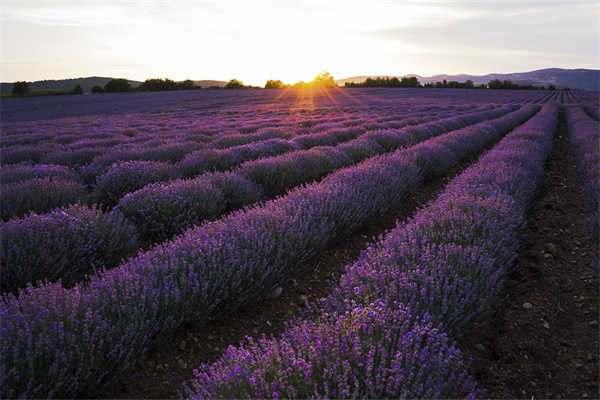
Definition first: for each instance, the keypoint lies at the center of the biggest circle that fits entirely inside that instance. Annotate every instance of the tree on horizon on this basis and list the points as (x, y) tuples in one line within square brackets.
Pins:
[(20, 88)]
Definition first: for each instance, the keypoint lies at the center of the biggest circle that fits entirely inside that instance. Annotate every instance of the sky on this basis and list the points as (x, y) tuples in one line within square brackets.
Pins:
[(254, 41)]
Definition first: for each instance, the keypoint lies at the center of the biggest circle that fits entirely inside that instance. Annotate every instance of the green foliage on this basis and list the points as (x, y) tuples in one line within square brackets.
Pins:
[(411, 81), (20, 88), (274, 84), (78, 89), (506, 84), (157, 85), (97, 89), (323, 80), (188, 84), (117, 86), (235, 84)]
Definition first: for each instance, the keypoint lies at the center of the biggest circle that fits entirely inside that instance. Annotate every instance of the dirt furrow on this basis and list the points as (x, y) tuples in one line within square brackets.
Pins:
[(542, 340)]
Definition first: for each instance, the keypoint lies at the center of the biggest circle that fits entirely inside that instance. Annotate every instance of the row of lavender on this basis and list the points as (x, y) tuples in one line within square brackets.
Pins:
[(77, 342), (169, 136), (51, 186), (584, 137), (69, 243), (162, 210), (385, 332)]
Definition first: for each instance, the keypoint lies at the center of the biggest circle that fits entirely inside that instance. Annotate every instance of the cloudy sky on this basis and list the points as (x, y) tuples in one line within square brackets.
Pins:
[(291, 41)]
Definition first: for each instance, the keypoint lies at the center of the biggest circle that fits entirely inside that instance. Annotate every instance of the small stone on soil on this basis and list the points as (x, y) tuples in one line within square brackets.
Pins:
[(276, 293)]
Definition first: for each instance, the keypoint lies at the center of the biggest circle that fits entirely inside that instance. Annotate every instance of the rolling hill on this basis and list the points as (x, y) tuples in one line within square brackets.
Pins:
[(583, 79)]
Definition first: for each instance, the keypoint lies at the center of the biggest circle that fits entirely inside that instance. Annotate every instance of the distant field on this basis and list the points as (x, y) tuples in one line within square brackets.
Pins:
[(146, 213)]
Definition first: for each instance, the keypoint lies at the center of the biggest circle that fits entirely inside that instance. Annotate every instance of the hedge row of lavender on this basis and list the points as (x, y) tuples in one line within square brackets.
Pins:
[(380, 334), (111, 183), (448, 260), (64, 245), (25, 171), (202, 161), (162, 210), (584, 139), (152, 137), (40, 195), (593, 109), (370, 352), (79, 342)]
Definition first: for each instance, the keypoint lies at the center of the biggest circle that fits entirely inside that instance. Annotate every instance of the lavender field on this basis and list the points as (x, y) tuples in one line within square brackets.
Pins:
[(128, 216)]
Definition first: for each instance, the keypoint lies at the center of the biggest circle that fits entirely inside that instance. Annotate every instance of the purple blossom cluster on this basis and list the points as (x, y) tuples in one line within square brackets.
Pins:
[(239, 138), (276, 175), (368, 352), (64, 245), (161, 210), (25, 171), (206, 160), (584, 138), (128, 176)]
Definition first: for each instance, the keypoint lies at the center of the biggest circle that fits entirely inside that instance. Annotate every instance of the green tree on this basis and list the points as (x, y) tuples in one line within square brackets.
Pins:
[(158, 85), (97, 89), (274, 84), (78, 89), (324, 80), (20, 88), (188, 84), (234, 84), (117, 86), (409, 81)]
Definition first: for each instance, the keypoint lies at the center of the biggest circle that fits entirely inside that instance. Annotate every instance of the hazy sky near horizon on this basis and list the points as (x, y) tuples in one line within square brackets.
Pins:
[(292, 41)]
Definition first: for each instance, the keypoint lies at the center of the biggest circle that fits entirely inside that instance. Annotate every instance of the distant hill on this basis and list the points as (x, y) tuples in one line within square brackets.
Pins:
[(584, 79), (88, 83), (209, 83)]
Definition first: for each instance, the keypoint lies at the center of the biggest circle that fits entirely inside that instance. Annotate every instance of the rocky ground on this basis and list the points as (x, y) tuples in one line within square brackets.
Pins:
[(540, 342)]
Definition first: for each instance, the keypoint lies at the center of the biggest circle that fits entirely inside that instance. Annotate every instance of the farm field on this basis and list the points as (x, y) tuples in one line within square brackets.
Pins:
[(399, 231)]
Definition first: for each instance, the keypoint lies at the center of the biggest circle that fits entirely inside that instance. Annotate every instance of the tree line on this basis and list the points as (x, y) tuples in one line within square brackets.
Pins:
[(22, 89), (321, 80)]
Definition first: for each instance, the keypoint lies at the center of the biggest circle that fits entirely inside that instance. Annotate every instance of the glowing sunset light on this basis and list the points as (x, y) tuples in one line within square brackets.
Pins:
[(291, 41)]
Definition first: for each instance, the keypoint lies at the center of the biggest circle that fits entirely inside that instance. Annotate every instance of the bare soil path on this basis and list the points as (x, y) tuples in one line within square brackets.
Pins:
[(542, 341)]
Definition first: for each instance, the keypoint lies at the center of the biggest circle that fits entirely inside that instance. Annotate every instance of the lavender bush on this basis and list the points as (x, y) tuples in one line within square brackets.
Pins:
[(585, 144), (206, 160), (276, 175), (238, 191), (64, 245), (25, 171), (129, 176), (40, 196), (370, 352), (22, 153), (163, 209), (360, 149)]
